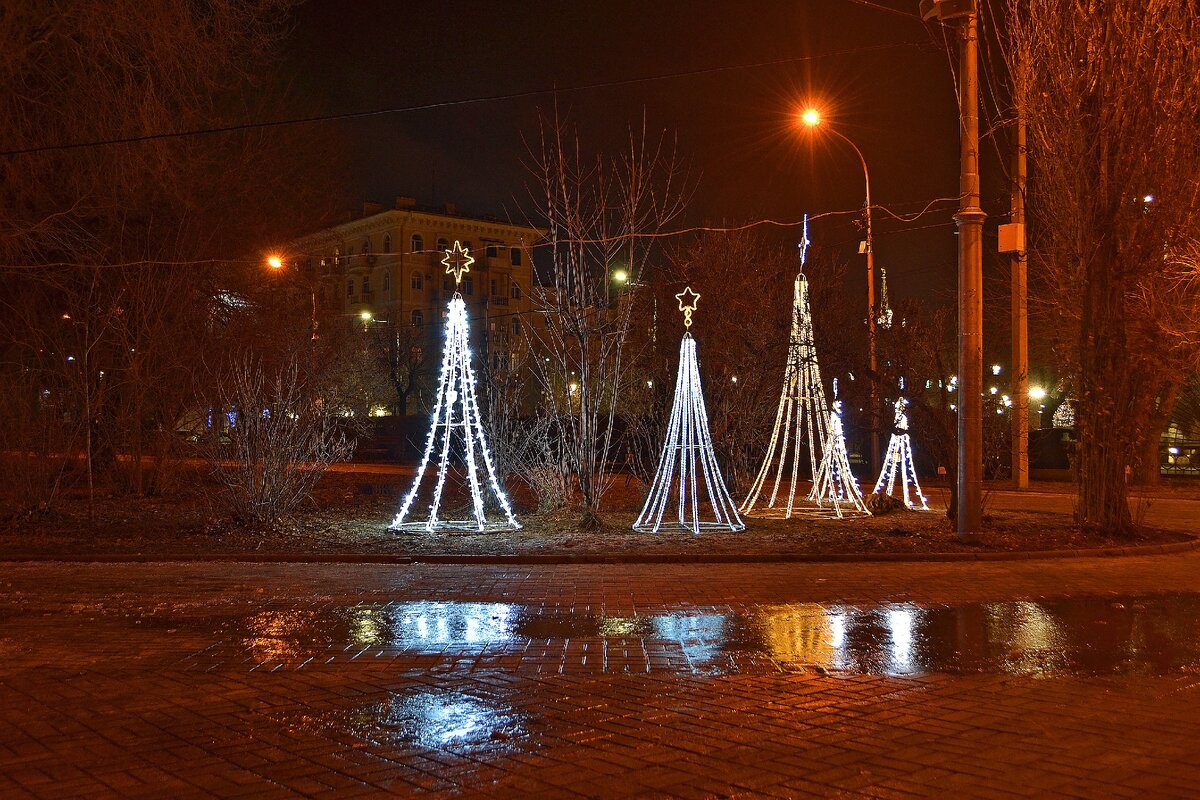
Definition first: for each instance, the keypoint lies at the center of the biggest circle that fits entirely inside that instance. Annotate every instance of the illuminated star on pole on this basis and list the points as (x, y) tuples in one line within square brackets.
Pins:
[(458, 261), (687, 304)]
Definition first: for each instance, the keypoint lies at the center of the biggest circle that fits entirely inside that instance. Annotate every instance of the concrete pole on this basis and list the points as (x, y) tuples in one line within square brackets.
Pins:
[(1020, 317), (970, 288)]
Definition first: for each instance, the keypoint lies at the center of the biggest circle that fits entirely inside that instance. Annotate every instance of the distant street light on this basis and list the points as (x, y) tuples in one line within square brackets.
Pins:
[(621, 276), (812, 118), (365, 316), (274, 262), (1037, 393)]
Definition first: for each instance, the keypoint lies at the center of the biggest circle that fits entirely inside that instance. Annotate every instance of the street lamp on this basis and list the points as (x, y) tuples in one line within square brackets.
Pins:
[(811, 118), (275, 263)]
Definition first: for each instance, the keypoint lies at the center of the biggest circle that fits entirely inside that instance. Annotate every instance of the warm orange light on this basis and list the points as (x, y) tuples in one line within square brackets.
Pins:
[(811, 117), (274, 262)]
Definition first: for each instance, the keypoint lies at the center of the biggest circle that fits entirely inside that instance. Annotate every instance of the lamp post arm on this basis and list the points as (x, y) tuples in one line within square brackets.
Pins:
[(866, 181)]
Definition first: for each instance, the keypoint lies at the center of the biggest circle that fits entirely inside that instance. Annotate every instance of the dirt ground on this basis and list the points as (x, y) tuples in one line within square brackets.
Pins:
[(351, 511)]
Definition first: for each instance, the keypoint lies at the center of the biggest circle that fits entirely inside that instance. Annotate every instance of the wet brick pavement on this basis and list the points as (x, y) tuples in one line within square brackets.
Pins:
[(1075, 679)]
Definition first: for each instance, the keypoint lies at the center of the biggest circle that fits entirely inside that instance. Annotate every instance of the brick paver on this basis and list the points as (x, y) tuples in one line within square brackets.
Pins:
[(272, 680)]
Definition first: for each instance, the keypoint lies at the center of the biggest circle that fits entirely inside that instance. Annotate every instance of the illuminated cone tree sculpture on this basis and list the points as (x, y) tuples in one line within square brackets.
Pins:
[(800, 420), (457, 433), (834, 485), (688, 478), (899, 460)]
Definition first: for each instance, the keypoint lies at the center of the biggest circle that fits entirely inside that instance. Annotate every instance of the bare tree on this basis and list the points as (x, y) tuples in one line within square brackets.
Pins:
[(1111, 91), (283, 438), (600, 215)]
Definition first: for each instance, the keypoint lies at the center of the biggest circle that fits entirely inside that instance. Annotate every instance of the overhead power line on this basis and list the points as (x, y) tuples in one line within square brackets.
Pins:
[(246, 126)]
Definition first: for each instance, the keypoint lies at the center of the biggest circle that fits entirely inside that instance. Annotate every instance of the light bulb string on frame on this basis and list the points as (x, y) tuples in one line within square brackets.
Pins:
[(687, 463), (457, 389), (900, 459)]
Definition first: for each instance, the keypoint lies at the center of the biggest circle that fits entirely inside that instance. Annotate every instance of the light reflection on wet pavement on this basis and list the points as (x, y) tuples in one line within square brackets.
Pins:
[(602, 681), (1139, 635)]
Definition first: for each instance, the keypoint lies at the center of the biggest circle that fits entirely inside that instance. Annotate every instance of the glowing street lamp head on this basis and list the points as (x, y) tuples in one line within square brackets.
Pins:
[(1037, 393), (365, 316), (621, 276), (274, 262), (811, 117)]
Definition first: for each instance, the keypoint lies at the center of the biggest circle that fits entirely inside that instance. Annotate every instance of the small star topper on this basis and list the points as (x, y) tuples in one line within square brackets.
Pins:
[(687, 304), (458, 261)]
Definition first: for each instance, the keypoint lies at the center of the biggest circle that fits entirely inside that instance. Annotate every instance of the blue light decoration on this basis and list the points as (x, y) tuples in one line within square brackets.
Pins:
[(688, 451), (457, 427)]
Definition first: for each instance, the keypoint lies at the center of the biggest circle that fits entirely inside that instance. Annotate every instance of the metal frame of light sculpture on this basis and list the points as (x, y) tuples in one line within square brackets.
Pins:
[(802, 414), (456, 417), (688, 449), (834, 483), (900, 459)]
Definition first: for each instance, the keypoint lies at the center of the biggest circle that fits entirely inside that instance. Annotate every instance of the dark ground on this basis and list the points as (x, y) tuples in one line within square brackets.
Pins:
[(352, 509)]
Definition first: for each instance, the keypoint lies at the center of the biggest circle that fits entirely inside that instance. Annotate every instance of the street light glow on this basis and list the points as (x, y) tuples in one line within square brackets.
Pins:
[(621, 276), (365, 316), (1037, 393), (274, 262), (811, 117)]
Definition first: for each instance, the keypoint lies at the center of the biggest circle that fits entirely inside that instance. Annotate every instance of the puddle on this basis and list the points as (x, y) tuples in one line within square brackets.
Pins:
[(1144, 635)]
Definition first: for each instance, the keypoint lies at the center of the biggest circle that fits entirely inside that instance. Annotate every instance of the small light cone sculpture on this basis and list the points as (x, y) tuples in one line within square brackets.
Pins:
[(834, 485), (801, 416), (687, 456), (456, 428), (899, 459)]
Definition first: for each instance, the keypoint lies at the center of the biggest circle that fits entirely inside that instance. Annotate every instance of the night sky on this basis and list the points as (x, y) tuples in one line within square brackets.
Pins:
[(735, 128)]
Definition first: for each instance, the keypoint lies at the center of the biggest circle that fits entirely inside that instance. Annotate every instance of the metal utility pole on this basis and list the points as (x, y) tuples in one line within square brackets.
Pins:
[(962, 16), (1020, 311)]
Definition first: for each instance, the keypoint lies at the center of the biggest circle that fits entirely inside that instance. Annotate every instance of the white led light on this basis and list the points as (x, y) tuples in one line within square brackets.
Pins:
[(456, 415), (688, 446), (802, 414), (899, 459)]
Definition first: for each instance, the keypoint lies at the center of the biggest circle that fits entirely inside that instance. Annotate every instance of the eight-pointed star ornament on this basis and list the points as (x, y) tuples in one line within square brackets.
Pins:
[(458, 261)]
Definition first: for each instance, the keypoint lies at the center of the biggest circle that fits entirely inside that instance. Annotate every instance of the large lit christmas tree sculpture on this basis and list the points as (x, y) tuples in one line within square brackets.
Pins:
[(687, 455), (834, 484), (899, 459), (801, 417), (456, 427)]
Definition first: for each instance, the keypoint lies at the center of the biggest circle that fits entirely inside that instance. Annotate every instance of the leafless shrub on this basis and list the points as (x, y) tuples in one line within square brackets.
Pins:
[(282, 440)]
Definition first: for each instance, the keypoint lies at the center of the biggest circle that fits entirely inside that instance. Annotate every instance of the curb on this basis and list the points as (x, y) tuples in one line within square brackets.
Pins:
[(602, 558)]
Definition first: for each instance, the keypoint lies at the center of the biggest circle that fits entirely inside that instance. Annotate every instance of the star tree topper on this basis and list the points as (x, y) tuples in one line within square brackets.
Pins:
[(688, 301), (458, 261)]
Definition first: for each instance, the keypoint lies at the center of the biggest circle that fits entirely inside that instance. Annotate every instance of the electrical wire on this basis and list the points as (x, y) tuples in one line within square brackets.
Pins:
[(149, 137)]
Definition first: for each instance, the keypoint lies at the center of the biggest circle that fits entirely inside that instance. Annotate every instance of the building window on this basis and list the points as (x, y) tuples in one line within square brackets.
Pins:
[(418, 318), (515, 256), (516, 291), (516, 326), (418, 244), (337, 256), (349, 288), (445, 283), (366, 248), (494, 288), (418, 354), (443, 244), (466, 244), (492, 251), (349, 251), (468, 285), (387, 243), (366, 284), (418, 280), (387, 281)]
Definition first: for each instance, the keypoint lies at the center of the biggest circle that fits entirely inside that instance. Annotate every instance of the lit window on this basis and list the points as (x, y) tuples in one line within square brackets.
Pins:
[(418, 281)]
